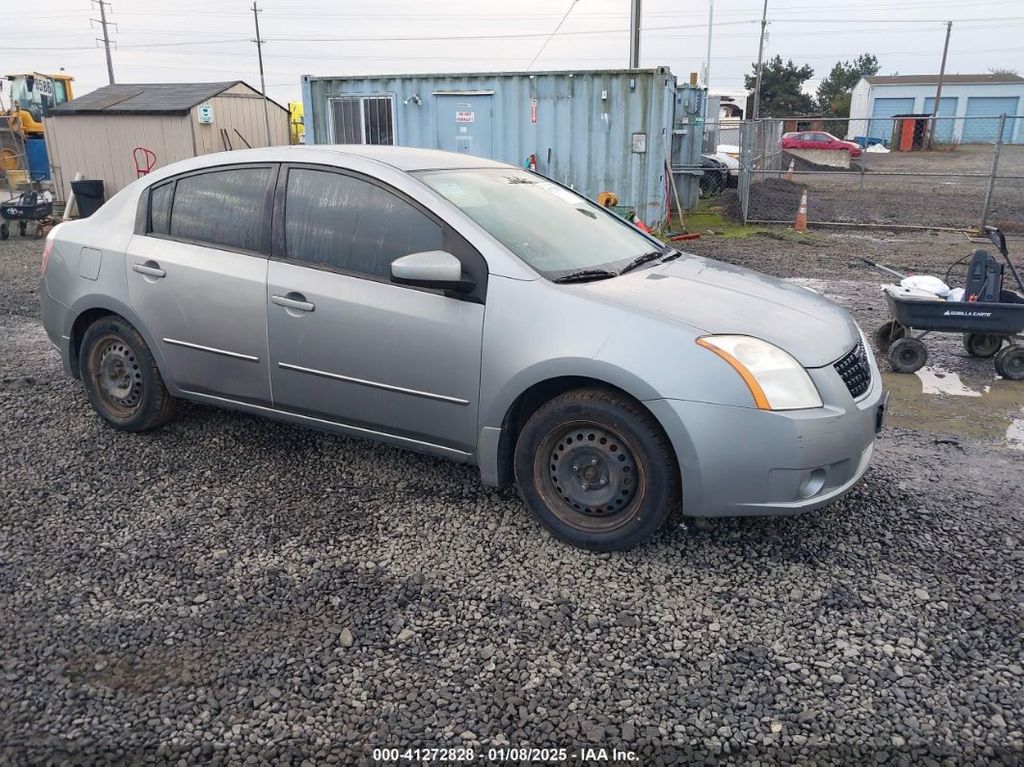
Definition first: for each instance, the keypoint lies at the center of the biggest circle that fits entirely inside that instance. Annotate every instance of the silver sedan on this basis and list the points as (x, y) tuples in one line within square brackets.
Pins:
[(471, 310)]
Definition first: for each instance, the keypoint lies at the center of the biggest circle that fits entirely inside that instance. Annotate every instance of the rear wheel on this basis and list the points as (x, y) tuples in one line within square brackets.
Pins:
[(908, 355), (982, 344), (1010, 363), (887, 333), (596, 469), (122, 382)]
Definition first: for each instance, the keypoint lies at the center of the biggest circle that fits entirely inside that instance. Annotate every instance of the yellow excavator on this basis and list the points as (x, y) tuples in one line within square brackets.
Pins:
[(30, 98)]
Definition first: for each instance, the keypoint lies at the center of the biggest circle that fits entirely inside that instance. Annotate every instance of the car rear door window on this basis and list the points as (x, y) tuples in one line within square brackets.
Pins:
[(223, 207), (160, 208), (353, 225)]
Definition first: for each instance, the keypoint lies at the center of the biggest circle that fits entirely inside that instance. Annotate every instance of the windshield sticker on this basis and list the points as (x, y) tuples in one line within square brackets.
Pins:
[(562, 194), (460, 195)]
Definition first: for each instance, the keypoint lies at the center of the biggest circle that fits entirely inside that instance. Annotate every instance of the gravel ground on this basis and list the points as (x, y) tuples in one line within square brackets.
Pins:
[(231, 589), (911, 200)]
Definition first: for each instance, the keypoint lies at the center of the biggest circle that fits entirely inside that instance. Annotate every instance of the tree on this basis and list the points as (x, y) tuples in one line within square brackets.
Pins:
[(1003, 71), (781, 89), (834, 92)]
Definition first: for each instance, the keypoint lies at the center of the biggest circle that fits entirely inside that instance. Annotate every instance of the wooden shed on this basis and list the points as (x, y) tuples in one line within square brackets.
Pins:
[(98, 134)]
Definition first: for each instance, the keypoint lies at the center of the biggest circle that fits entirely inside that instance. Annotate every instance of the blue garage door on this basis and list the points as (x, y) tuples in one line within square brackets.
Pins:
[(944, 119), (984, 130), (881, 112)]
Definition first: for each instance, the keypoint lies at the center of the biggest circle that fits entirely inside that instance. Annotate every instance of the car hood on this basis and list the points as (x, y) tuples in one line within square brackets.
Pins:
[(714, 297)]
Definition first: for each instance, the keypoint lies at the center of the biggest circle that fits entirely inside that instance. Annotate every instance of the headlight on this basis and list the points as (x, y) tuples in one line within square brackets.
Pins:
[(775, 379)]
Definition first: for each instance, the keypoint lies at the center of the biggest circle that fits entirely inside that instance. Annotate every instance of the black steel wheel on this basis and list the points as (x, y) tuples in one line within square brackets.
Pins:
[(908, 355), (5, 231), (887, 333), (1010, 363), (982, 344), (597, 470), (121, 379)]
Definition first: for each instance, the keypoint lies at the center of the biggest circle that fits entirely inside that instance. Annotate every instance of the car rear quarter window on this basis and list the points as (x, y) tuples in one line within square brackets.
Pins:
[(223, 207), (160, 208), (353, 225)]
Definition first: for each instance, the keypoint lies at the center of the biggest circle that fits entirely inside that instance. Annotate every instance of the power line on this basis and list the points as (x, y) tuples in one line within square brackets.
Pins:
[(552, 35)]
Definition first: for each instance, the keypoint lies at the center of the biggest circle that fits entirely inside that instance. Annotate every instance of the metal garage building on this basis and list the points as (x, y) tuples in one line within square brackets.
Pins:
[(97, 134), (969, 111), (595, 131)]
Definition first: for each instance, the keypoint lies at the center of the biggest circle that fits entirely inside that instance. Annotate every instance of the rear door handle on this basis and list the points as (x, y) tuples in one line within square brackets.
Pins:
[(150, 269), (295, 301)]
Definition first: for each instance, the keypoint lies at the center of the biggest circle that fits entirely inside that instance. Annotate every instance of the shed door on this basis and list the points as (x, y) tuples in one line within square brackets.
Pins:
[(464, 124), (881, 113), (980, 130), (944, 117)]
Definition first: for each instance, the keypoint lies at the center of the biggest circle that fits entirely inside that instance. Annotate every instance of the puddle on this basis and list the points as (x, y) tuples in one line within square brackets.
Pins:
[(939, 401)]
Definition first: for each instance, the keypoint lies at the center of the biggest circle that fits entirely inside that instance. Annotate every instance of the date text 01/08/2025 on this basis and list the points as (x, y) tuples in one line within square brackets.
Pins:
[(503, 754)]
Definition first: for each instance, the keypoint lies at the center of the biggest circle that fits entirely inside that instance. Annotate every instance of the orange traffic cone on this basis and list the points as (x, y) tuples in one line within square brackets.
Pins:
[(801, 215), (789, 173), (640, 224)]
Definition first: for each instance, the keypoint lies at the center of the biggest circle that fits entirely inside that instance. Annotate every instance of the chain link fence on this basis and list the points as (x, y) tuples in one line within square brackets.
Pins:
[(910, 172)]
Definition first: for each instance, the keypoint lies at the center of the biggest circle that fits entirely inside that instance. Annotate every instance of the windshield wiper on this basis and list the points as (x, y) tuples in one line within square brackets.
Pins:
[(585, 275), (643, 259)]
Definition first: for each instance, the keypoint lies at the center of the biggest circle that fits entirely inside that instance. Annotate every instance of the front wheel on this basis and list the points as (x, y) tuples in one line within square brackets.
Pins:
[(908, 355), (121, 379), (596, 469)]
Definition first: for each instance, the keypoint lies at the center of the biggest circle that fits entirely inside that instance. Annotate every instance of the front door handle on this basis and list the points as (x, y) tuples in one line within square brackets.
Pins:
[(295, 301), (150, 269)]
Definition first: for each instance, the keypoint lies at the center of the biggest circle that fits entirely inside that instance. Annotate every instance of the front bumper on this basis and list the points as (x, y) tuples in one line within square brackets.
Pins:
[(741, 461)]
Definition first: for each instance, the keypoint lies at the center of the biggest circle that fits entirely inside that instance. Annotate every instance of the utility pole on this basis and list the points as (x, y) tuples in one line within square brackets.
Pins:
[(634, 35), (259, 53), (760, 63), (102, 21), (938, 86), (707, 63)]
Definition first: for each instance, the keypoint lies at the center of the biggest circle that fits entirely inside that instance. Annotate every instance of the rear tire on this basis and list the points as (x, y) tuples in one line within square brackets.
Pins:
[(908, 355), (1010, 363), (597, 470), (122, 382), (982, 344)]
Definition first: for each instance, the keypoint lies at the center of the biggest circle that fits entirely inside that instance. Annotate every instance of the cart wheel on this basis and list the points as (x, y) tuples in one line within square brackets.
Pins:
[(5, 231), (887, 333), (1010, 363), (982, 344), (40, 231), (22, 228), (908, 355)]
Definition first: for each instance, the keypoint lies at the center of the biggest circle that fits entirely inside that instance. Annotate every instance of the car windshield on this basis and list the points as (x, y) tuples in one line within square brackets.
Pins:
[(551, 228)]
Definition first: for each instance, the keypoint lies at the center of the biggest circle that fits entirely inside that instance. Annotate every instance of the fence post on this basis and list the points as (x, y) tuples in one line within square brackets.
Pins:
[(992, 173), (744, 179)]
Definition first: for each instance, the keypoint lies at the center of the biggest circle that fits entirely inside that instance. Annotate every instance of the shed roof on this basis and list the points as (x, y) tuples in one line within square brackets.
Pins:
[(147, 98), (987, 78)]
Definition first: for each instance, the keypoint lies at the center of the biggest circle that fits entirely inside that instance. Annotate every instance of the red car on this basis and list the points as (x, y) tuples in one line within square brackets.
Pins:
[(819, 140)]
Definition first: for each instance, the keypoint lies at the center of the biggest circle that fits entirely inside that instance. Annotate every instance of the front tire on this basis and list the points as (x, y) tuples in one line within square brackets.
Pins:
[(1010, 363), (597, 470), (121, 379), (908, 355)]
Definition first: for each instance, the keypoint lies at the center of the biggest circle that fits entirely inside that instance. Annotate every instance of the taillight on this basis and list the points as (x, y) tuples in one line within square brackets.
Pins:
[(48, 248)]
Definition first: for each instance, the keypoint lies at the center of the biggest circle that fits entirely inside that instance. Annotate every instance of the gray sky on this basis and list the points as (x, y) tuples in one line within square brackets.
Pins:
[(203, 40)]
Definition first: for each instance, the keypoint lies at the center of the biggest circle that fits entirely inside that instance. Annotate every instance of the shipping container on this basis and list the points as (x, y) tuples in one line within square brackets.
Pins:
[(594, 131)]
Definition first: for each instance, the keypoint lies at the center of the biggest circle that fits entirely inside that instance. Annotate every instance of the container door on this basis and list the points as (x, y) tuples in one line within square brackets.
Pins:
[(944, 118), (464, 124), (881, 113), (979, 130)]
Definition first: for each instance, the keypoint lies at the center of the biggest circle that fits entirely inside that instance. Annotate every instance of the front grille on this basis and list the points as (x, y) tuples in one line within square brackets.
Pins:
[(855, 370)]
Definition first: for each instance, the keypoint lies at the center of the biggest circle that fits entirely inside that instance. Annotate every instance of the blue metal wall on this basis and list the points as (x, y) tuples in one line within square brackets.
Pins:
[(581, 126)]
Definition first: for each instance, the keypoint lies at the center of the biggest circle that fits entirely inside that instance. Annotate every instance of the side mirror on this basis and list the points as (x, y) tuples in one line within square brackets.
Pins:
[(435, 269), (997, 238)]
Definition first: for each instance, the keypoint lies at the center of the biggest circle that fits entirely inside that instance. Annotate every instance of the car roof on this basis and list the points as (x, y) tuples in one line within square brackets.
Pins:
[(401, 157)]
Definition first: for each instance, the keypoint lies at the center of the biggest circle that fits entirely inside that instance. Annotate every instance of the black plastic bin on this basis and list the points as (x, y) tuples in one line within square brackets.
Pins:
[(88, 196)]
